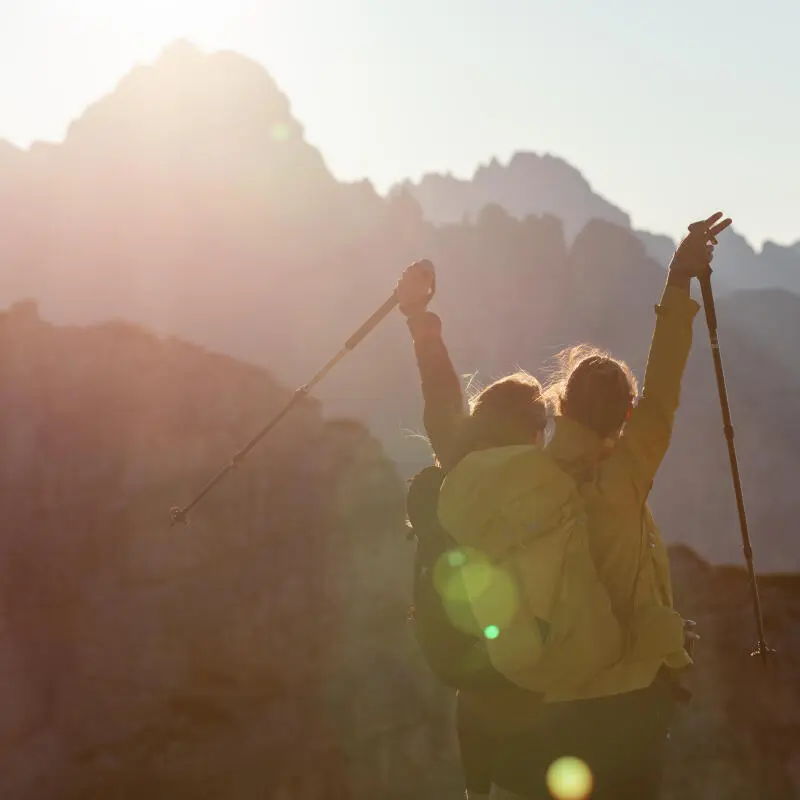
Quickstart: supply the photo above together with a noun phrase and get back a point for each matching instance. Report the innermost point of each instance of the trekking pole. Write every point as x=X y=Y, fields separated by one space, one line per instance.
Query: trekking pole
x=761 y=649
x=179 y=515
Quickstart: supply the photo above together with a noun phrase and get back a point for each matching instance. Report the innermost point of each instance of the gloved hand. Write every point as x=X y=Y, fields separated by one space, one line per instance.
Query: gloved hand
x=693 y=255
x=416 y=287
x=690 y=638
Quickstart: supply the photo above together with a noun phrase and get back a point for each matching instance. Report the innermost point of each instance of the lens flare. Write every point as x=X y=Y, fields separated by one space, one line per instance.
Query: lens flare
x=279 y=132
x=491 y=631
x=477 y=577
x=473 y=590
x=456 y=558
x=569 y=778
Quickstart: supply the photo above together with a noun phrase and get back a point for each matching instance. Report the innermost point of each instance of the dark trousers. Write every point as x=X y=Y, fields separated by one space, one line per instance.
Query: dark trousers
x=478 y=748
x=622 y=739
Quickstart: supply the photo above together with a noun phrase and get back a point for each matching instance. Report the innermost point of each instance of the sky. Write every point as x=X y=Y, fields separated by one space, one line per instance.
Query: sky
x=671 y=111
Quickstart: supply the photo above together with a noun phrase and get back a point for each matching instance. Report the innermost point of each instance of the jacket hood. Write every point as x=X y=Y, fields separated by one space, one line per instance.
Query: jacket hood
x=499 y=490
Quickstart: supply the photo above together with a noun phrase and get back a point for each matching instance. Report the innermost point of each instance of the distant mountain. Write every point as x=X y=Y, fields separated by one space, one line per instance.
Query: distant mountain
x=205 y=661
x=189 y=201
x=768 y=319
x=657 y=246
x=533 y=184
x=738 y=265
x=529 y=185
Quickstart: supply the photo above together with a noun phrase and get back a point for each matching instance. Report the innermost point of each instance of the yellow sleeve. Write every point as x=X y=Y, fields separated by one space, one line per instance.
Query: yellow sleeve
x=647 y=435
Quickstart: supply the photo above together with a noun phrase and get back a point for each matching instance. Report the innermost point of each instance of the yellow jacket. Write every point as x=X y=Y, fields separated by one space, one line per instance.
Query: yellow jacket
x=627 y=547
x=529 y=574
x=623 y=625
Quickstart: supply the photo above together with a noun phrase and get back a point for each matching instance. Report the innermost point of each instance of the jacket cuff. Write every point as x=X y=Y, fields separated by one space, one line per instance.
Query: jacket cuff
x=426 y=325
x=676 y=301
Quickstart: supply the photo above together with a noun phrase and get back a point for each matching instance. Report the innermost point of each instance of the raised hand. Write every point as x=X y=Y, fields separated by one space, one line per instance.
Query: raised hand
x=694 y=253
x=416 y=287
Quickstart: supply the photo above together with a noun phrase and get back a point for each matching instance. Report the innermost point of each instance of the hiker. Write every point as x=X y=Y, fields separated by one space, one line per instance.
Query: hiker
x=510 y=411
x=617 y=721
x=505 y=425
x=614 y=447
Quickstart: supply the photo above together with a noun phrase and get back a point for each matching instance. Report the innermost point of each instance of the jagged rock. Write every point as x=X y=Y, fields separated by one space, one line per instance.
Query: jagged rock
x=263 y=651
x=136 y=657
x=530 y=185
x=169 y=240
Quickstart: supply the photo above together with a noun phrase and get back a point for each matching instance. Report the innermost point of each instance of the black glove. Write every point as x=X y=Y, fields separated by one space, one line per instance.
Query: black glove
x=690 y=638
x=693 y=255
x=416 y=288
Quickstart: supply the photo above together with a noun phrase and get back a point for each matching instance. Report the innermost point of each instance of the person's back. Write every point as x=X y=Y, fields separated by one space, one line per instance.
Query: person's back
x=613 y=451
x=628 y=551
x=616 y=448
x=534 y=584
x=621 y=444
x=509 y=411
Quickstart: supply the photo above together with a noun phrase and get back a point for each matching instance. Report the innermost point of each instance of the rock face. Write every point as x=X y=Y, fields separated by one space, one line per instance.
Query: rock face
x=263 y=651
x=205 y=661
x=738 y=738
x=213 y=220
x=529 y=185
x=538 y=185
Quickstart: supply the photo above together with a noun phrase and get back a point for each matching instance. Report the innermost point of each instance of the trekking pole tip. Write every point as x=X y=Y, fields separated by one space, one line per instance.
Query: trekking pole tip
x=763 y=650
x=178 y=516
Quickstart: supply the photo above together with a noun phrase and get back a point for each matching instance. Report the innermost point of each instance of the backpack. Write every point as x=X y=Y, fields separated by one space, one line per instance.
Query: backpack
x=547 y=617
x=453 y=650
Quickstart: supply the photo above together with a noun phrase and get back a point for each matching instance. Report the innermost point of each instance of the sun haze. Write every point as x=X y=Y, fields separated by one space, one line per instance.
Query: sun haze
x=645 y=100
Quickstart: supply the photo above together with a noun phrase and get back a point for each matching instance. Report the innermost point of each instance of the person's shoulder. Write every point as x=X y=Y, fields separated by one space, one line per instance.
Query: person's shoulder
x=616 y=474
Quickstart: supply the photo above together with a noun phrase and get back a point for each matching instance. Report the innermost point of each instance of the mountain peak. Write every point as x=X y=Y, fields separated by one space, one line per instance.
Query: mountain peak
x=184 y=95
x=530 y=184
x=181 y=51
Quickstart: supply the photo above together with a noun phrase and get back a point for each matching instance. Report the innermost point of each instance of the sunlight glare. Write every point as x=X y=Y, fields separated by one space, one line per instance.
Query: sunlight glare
x=154 y=23
x=569 y=778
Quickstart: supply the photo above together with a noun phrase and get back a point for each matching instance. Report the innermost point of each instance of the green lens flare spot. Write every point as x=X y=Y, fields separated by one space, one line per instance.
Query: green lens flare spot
x=456 y=558
x=279 y=132
x=569 y=778
x=491 y=631
x=477 y=578
x=475 y=593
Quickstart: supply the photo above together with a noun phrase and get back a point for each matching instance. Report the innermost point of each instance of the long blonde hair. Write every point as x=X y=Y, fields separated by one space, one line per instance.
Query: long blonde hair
x=592 y=387
x=509 y=411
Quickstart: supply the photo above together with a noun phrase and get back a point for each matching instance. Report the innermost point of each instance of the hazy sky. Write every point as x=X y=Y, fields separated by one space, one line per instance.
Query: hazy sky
x=670 y=110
